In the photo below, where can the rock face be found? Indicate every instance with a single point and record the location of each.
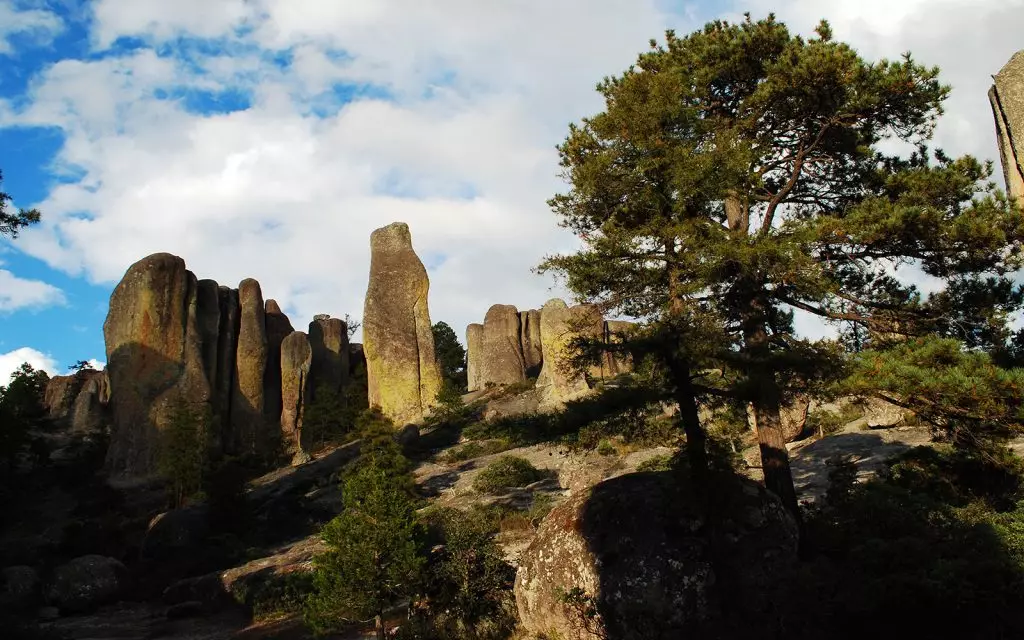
(402, 373)
(90, 409)
(474, 352)
(278, 327)
(208, 320)
(59, 395)
(328, 337)
(296, 360)
(501, 358)
(794, 417)
(632, 544)
(533, 351)
(154, 354)
(557, 382)
(227, 351)
(86, 583)
(1007, 99)
(247, 424)
(880, 414)
(68, 399)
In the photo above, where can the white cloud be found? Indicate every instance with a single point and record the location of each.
(15, 19)
(19, 293)
(480, 94)
(12, 361)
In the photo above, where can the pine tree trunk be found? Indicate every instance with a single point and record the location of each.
(379, 624)
(696, 439)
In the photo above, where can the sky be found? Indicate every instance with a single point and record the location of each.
(268, 138)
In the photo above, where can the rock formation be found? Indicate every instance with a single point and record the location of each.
(586, 321)
(90, 408)
(227, 351)
(278, 327)
(154, 354)
(247, 423)
(402, 373)
(529, 331)
(558, 382)
(1007, 99)
(634, 544)
(296, 360)
(501, 356)
(208, 319)
(615, 332)
(793, 415)
(474, 351)
(328, 338)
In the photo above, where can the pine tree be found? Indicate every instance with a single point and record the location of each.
(735, 175)
(12, 223)
(184, 450)
(450, 355)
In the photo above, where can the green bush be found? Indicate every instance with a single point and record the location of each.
(606, 448)
(472, 450)
(506, 472)
(657, 463)
(276, 594)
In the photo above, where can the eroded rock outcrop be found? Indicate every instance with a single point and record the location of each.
(328, 338)
(634, 544)
(558, 382)
(402, 373)
(533, 350)
(90, 409)
(154, 355)
(296, 360)
(1007, 99)
(474, 352)
(227, 352)
(247, 423)
(278, 328)
(501, 354)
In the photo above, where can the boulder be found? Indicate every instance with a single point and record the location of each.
(20, 588)
(558, 381)
(634, 546)
(227, 351)
(296, 360)
(1007, 99)
(175, 532)
(86, 583)
(328, 337)
(880, 414)
(501, 358)
(154, 356)
(474, 352)
(247, 424)
(403, 376)
(533, 350)
(90, 409)
(278, 327)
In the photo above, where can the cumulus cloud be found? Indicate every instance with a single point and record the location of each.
(12, 361)
(20, 293)
(18, 20)
(454, 113)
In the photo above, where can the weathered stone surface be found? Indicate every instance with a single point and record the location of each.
(633, 543)
(356, 358)
(154, 355)
(247, 424)
(227, 351)
(793, 414)
(586, 321)
(615, 332)
(208, 321)
(533, 350)
(90, 409)
(501, 359)
(296, 360)
(278, 327)
(86, 583)
(1007, 99)
(20, 588)
(558, 382)
(474, 353)
(328, 337)
(881, 414)
(402, 372)
(59, 395)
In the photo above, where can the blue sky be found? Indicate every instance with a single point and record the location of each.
(267, 138)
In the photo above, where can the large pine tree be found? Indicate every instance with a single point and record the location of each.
(736, 174)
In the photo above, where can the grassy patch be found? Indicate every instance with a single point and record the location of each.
(657, 463)
(505, 473)
(472, 450)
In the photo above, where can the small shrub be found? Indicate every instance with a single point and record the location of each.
(606, 448)
(506, 472)
(827, 422)
(657, 463)
(275, 595)
(472, 450)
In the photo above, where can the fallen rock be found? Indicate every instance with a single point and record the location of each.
(87, 582)
(501, 356)
(633, 546)
(403, 375)
(20, 588)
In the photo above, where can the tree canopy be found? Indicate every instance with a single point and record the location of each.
(10, 222)
(451, 355)
(736, 175)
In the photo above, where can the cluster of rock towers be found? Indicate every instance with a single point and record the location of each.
(511, 346)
